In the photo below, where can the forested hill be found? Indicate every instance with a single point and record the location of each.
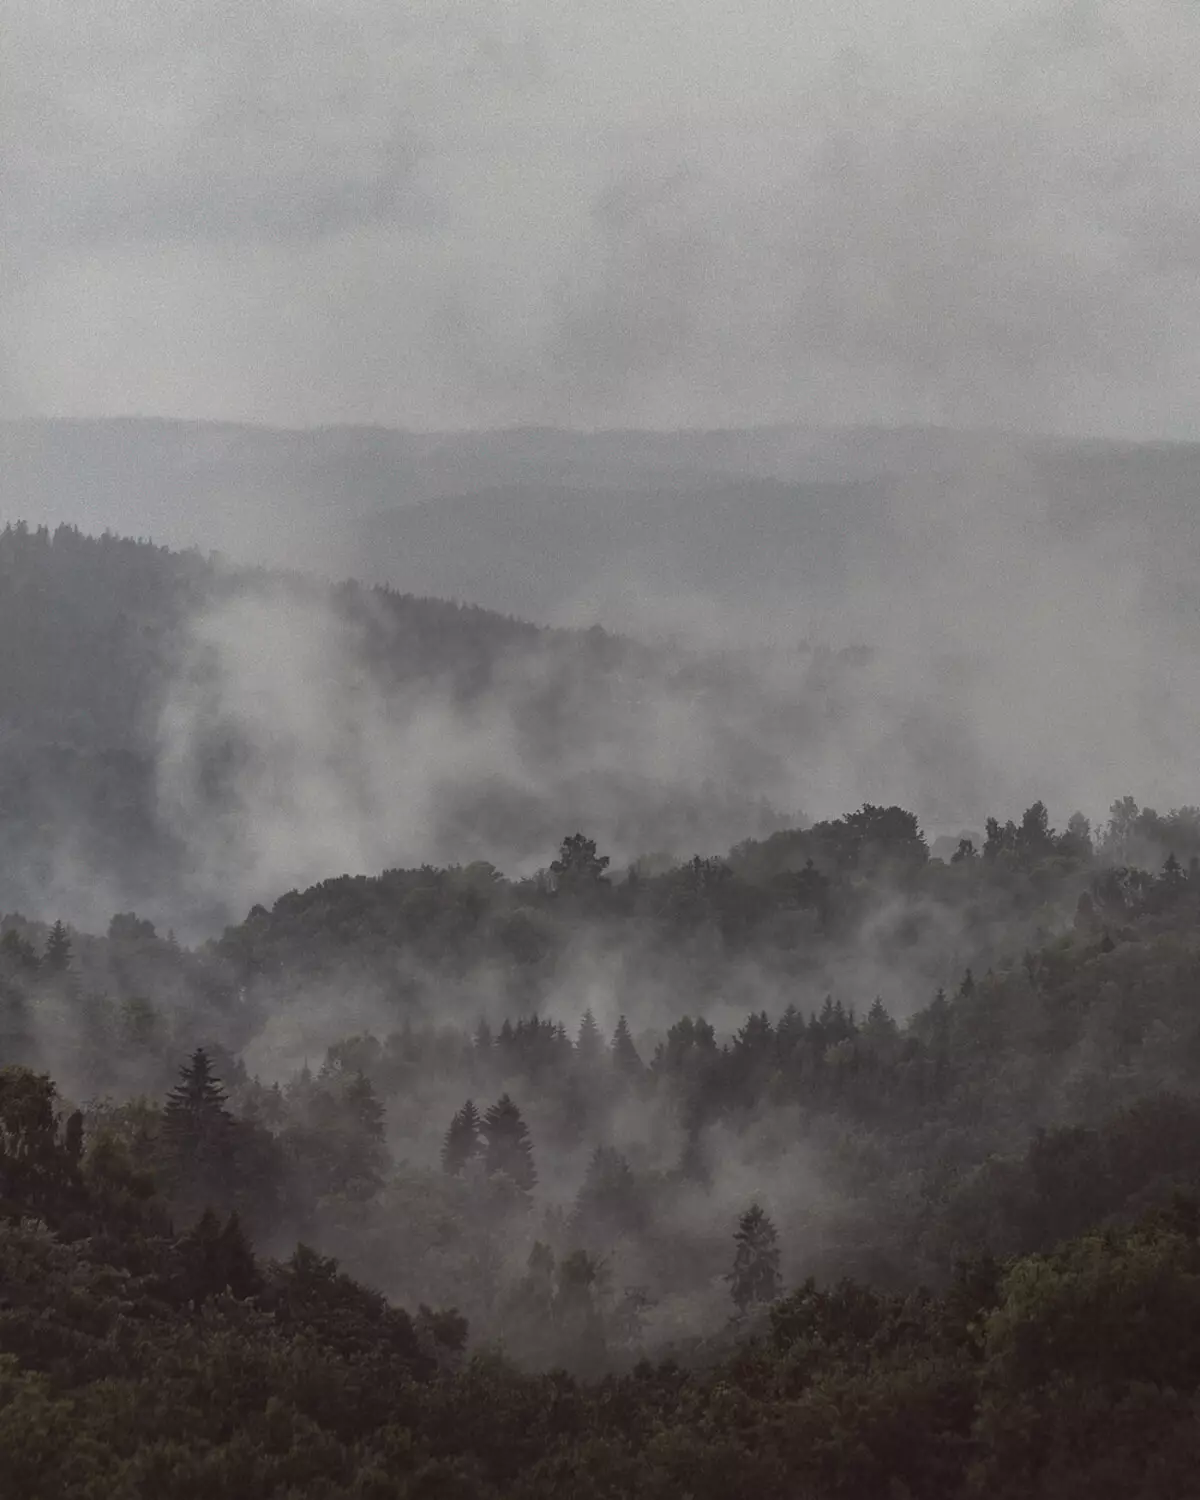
(92, 629)
(818, 1251)
(165, 720)
(139, 1362)
(830, 1164)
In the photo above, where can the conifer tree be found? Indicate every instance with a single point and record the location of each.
(218, 1258)
(196, 1105)
(507, 1144)
(235, 1256)
(200, 1254)
(463, 1141)
(588, 1042)
(197, 1136)
(755, 1274)
(624, 1053)
(57, 957)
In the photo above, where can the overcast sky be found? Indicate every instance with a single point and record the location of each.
(633, 212)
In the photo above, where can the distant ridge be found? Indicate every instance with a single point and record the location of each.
(549, 524)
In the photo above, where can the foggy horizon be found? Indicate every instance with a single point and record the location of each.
(463, 219)
(981, 429)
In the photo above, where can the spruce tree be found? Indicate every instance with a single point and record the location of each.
(755, 1274)
(201, 1255)
(463, 1140)
(235, 1257)
(197, 1136)
(196, 1105)
(589, 1044)
(57, 957)
(507, 1144)
(624, 1053)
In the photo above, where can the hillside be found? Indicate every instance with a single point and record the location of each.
(549, 1111)
(186, 737)
(534, 521)
(810, 1249)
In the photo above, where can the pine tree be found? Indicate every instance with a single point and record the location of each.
(197, 1136)
(57, 957)
(588, 1042)
(200, 1253)
(624, 1053)
(755, 1274)
(196, 1104)
(507, 1144)
(218, 1258)
(463, 1140)
(235, 1257)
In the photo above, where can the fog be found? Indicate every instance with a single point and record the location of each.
(457, 217)
(820, 385)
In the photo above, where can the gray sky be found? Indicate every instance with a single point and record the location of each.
(466, 212)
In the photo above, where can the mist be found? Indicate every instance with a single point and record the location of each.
(599, 663)
(463, 218)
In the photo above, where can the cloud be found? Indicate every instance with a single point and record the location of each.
(463, 215)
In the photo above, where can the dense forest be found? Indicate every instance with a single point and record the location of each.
(829, 1165)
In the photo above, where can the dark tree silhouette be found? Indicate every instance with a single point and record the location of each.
(589, 1044)
(578, 867)
(755, 1274)
(57, 958)
(463, 1141)
(624, 1053)
(507, 1144)
(197, 1136)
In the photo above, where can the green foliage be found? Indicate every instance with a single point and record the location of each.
(128, 1369)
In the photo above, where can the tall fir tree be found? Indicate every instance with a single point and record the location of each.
(197, 1137)
(589, 1044)
(57, 957)
(624, 1053)
(755, 1274)
(463, 1141)
(507, 1144)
